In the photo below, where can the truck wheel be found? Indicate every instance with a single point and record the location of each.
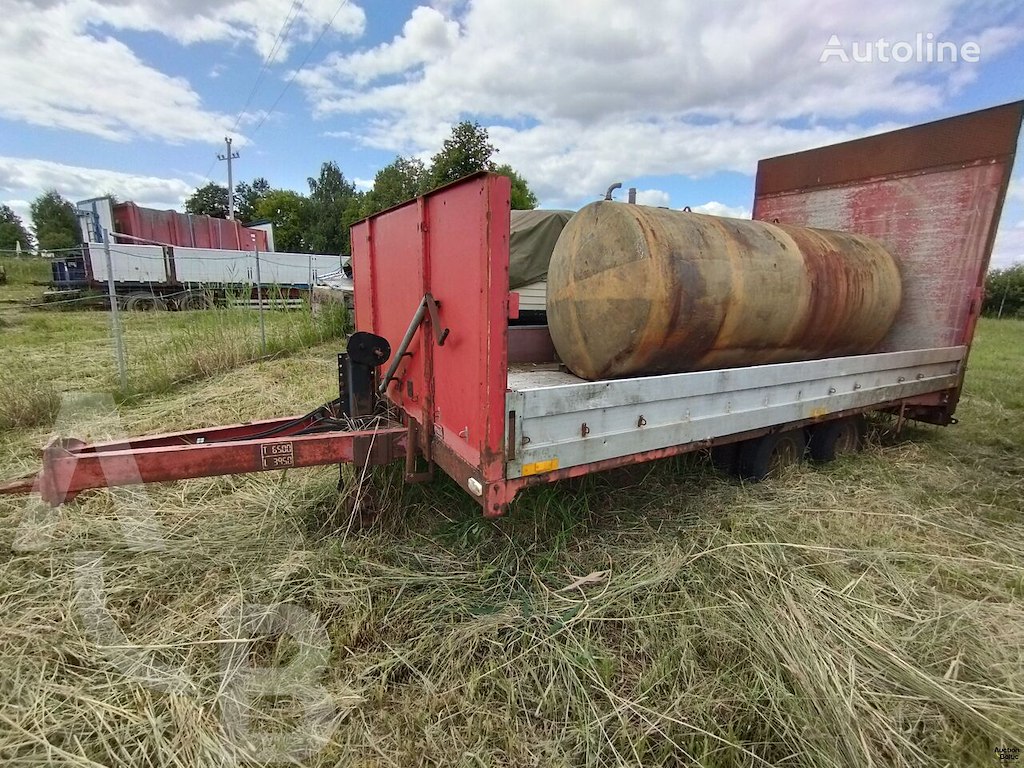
(839, 437)
(765, 456)
(193, 301)
(144, 302)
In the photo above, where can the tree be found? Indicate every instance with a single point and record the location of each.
(1004, 292)
(466, 151)
(12, 230)
(402, 180)
(288, 211)
(330, 210)
(211, 200)
(55, 222)
(247, 196)
(523, 198)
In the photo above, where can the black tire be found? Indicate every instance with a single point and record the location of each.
(839, 437)
(725, 457)
(144, 302)
(194, 301)
(765, 456)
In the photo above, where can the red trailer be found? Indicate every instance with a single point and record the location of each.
(438, 376)
(185, 229)
(170, 260)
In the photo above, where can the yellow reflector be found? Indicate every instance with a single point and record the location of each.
(540, 466)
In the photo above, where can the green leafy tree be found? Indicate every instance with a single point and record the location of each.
(523, 198)
(401, 180)
(1004, 292)
(467, 150)
(289, 212)
(12, 231)
(353, 213)
(330, 210)
(210, 200)
(55, 222)
(247, 196)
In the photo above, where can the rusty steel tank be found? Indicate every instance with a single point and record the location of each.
(634, 290)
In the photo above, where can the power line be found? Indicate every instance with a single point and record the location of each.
(210, 169)
(282, 34)
(295, 74)
(302, 65)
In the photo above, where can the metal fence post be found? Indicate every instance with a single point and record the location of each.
(115, 316)
(259, 299)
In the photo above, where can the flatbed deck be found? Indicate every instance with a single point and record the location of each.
(558, 420)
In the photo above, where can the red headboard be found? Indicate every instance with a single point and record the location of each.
(932, 194)
(453, 244)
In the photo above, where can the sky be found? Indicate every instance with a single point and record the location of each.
(677, 98)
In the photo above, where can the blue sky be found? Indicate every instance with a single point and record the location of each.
(679, 99)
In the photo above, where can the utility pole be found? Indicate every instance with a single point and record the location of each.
(229, 156)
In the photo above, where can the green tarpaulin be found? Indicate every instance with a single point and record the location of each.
(533, 237)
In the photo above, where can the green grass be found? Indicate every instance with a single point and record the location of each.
(24, 276)
(25, 270)
(868, 613)
(48, 352)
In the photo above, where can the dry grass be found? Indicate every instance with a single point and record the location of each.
(867, 614)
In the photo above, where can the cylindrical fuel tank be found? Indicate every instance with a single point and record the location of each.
(634, 290)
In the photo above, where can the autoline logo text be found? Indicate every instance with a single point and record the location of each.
(923, 49)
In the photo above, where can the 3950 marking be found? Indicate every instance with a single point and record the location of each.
(277, 455)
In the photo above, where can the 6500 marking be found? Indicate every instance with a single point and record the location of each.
(277, 455)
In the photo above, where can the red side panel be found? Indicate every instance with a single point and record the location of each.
(173, 228)
(453, 244)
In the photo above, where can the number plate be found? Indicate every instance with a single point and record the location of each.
(277, 455)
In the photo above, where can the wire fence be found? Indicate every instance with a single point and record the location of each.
(52, 341)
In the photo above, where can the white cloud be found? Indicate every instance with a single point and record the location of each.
(579, 95)
(134, 99)
(562, 60)
(256, 23)
(1009, 246)
(657, 198)
(426, 36)
(24, 179)
(715, 208)
(63, 69)
(564, 162)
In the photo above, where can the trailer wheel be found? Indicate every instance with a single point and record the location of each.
(193, 301)
(839, 437)
(724, 458)
(765, 456)
(144, 302)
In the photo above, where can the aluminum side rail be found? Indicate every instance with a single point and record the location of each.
(561, 426)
